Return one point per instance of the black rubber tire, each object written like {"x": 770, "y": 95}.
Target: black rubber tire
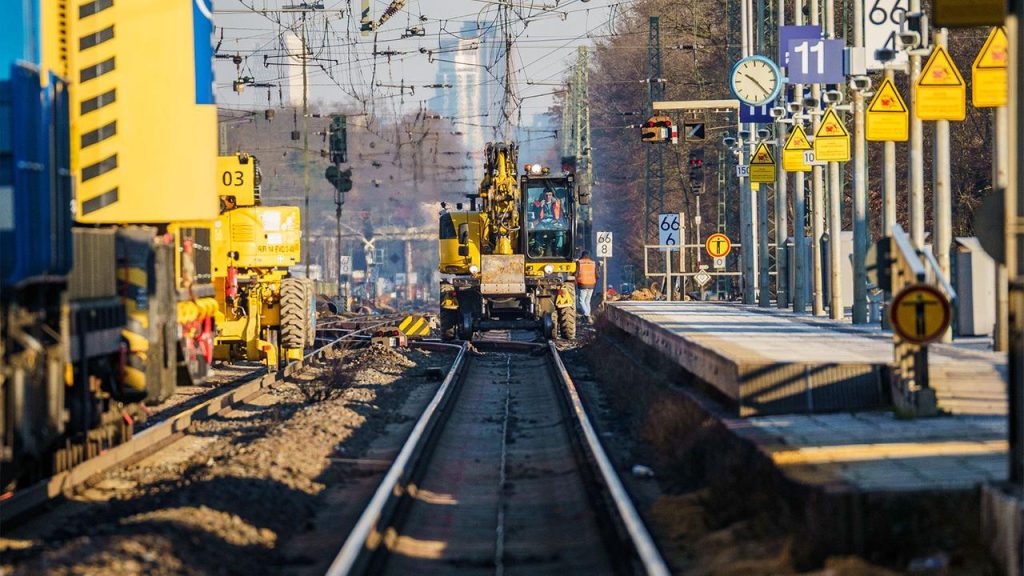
{"x": 465, "y": 328}
{"x": 449, "y": 324}
{"x": 310, "y": 314}
{"x": 449, "y": 318}
{"x": 567, "y": 315}
{"x": 293, "y": 313}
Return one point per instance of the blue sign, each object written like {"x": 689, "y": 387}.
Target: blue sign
{"x": 756, "y": 114}
{"x": 787, "y": 33}
{"x": 815, "y": 61}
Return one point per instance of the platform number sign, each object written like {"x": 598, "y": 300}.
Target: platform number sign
{"x": 816, "y": 61}
{"x": 668, "y": 230}
{"x": 604, "y": 244}
{"x": 881, "y": 26}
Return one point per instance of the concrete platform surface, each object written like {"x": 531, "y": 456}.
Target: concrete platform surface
{"x": 875, "y": 451}
{"x": 771, "y": 361}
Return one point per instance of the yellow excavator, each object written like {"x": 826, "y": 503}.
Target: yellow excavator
{"x": 264, "y": 314}
{"x": 508, "y": 262}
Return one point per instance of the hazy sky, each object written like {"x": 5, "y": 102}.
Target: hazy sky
{"x": 547, "y": 34}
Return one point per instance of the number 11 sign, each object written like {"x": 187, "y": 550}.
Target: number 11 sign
{"x": 814, "y": 61}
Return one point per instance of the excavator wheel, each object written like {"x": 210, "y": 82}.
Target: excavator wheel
{"x": 567, "y": 315}
{"x": 449, "y": 324}
{"x": 449, "y": 317}
{"x": 293, "y": 313}
{"x": 465, "y": 329}
{"x": 310, "y": 314}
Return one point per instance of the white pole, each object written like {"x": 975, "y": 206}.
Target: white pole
{"x": 942, "y": 205}
{"x": 916, "y": 155}
{"x": 860, "y": 222}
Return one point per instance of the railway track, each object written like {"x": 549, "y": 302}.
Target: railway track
{"x": 502, "y": 472}
{"x": 19, "y": 505}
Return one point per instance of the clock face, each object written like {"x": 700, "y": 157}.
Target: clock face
{"x": 755, "y": 81}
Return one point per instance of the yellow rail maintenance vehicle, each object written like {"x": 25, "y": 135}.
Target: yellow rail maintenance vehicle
{"x": 509, "y": 262}
{"x": 263, "y": 314}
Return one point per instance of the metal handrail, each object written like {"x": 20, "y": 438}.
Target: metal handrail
{"x": 939, "y": 276}
{"x": 905, "y": 248}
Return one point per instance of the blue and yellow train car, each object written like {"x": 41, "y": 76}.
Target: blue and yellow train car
{"x": 107, "y": 163}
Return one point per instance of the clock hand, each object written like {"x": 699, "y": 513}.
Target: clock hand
{"x": 754, "y": 80}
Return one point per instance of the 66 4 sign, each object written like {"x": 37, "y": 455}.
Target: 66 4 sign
{"x": 881, "y": 25}
{"x": 668, "y": 230}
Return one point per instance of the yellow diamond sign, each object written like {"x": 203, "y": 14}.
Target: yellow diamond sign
{"x": 793, "y": 151}
{"x": 762, "y": 166}
{"x": 887, "y": 116}
{"x": 941, "y": 93}
{"x": 990, "y": 85}
{"x": 832, "y": 140}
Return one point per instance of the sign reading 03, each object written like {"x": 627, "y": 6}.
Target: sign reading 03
{"x": 755, "y": 80}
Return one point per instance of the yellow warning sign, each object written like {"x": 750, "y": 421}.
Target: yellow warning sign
{"x": 832, "y": 140}
{"x": 762, "y": 166}
{"x": 990, "y": 85}
{"x": 415, "y": 326}
{"x": 718, "y": 245}
{"x": 887, "y": 117}
{"x": 920, "y": 314}
{"x": 941, "y": 93}
{"x": 793, "y": 151}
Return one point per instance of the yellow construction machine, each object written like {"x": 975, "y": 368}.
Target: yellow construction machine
{"x": 263, "y": 313}
{"x": 508, "y": 262}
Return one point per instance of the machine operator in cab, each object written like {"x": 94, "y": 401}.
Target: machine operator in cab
{"x": 547, "y": 225}
{"x": 586, "y": 280}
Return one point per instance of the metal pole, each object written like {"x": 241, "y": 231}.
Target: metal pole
{"x": 1015, "y": 234}
{"x": 781, "y": 222}
{"x": 835, "y": 208}
{"x": 781, "y": 200}
{"x": 604, "y": 279}
{"x": 817, "y": 198}
{"x": 799, "y": 204}
{"x": 747, "y": 222}
{"x": 305, "y": 152}
{"x": 889, "y": 200}
{"x": 860, "y": 196}
{"x": 668, "y": 274}
{"x": 942, "y": 205}
{"x": 1000, "y": 180}
{"x": 764, "y": 298}
{"x": 916, "y": 154}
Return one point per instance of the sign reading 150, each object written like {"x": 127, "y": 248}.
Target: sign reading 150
{"x": 229, "y": 178}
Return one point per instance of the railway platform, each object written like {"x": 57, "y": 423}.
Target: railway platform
{"x": 811, "y": 395}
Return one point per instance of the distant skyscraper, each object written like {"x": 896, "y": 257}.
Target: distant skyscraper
{"x": 470, "y": 64}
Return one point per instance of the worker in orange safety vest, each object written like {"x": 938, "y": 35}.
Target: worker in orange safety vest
{"x": 586, "y": 280}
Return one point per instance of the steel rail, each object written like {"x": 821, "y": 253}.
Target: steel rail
{"x": 365, "y": 534}
{"x": 370, "y": 531}
{"x": 158, "y": 436}
{"x": 641, "y": 538}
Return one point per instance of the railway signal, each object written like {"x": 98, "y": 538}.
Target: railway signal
{"x": 659, "y": 129}
{"x": 697, "y": 171}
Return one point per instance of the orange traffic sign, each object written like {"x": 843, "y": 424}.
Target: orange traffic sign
{"x": 718, "y": 245}
{"x": 887, "y": 116}
{"x": 941, "y": 93}
{"x": 990, "y": 85}
{"x": 920, "y": 314}
{"x": 832, "y": 140}
{"x": 793, "y": 151}
{"x": 762, "y": 166}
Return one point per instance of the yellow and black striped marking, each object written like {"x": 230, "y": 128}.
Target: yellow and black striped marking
{"x": 415, "y": 326}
